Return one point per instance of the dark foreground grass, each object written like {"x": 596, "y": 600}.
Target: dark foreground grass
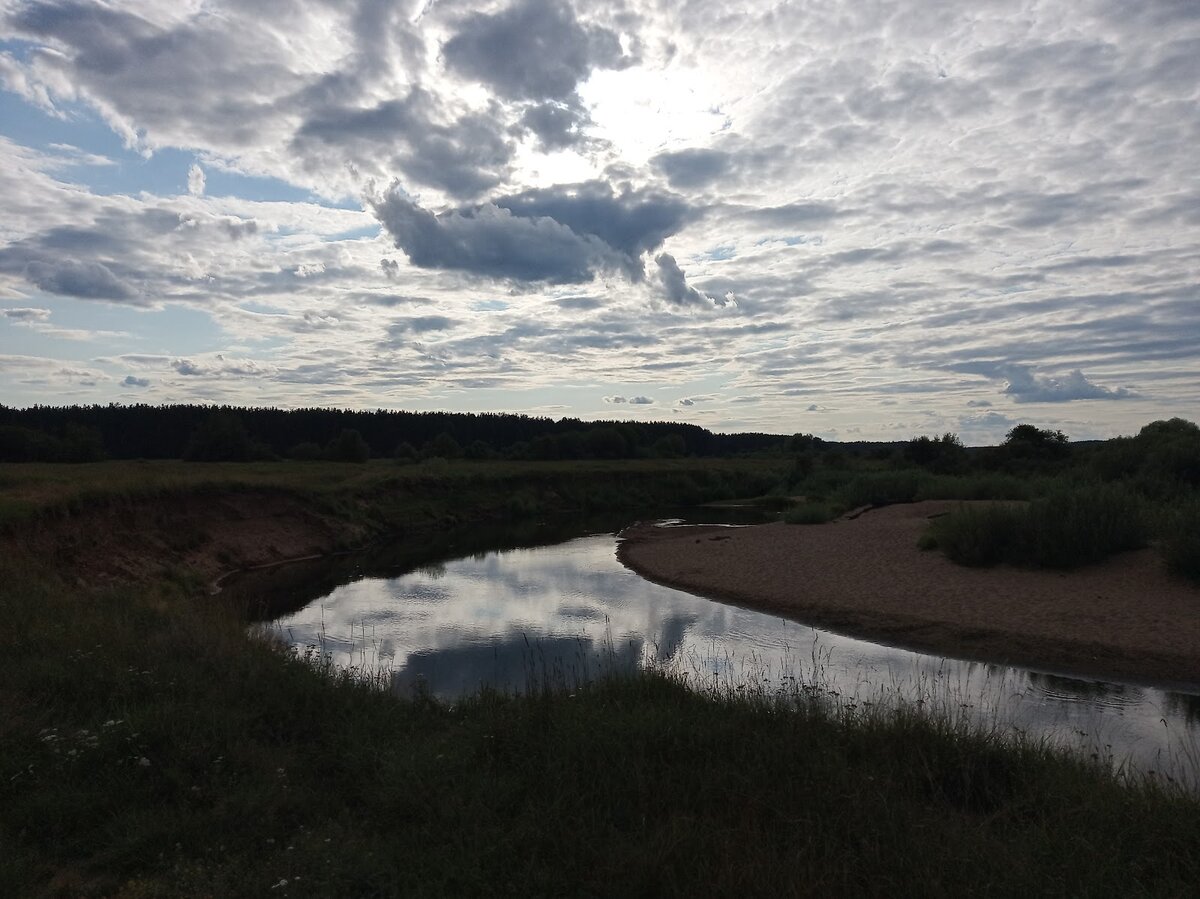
{"x": 150, "y": 749}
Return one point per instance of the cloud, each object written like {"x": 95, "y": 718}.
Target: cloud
{"x": 978, "y": 404}
{"x": 685, "y": 401}
{"x": 131, "y": 381}
{"x": 531, "y": 50}
{"x": 556, "y": 125}
{"x": 630, "y": 221}
{"x": 676, "y": 288}
{"x": 631, "y": 400}
{"x": 493, "y": 242}
{"x": 692, "y": 167}
{"x": 1026, "y": 387}
{"x": 461, "y": 156}
{"x": 195, "y": 180}
{"x": 26, "y": 315}
{"x": 86, "y": 280}
{"x": 238, "y": 228}
{"x": 564, "y": 235}
{"x": 420, "y": 324}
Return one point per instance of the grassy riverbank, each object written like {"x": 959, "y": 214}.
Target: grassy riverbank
{"x": 150, "y": 748}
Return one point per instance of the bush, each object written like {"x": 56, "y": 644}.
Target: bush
{"x": 882, "y": 488}
{"x": 348, "y": 446}
{"x": 1063, "y": 530}
{"x": 1181, "y": 541}
{"x": 810, "y": 513}
{"x": 305, "y": 452}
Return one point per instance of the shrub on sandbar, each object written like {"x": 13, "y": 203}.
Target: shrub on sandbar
{"x": 1063, "y": 530}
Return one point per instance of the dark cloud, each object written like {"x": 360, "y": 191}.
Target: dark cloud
{"x": 87, "y": 280}
{"x": 675, "y": 285}
{"x": 238, "y": 228}
{"x": 391, "y": 268}
{"x": 532, "y": 50}
{"x": 631, "y": 222}
{"x": 462, "y": 157}
{"x": 557, "y": 125}
{"x": 583, "y": 304}
{"x": 131, "y": 381}
{"x": 795, "y": 215}
{"x": 491, "y": 241}
{"x": 26, "y": 314}
{"x": 692, "y": 167}
{"x": 558, "y": 235}
{"x": 420, "y": 324}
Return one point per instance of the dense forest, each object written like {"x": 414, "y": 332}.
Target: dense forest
{"x": 90, "y": 433}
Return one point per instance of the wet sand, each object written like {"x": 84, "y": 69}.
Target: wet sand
{"x": 1123, "y": 619}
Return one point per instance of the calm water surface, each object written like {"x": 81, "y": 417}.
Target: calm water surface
{"x": 566, "y": 610}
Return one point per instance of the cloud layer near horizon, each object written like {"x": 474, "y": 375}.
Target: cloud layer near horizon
{"x": 815, "y": 216}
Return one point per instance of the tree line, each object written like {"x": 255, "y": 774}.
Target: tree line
{"x": 228, "y": 433}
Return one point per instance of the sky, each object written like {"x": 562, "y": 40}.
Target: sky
{"x": 862, "y": 220}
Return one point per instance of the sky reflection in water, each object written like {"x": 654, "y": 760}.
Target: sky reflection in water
{"x": 570, "y": 610}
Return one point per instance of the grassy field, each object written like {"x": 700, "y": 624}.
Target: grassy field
{"x": 31, "y": 489}
{"x": 150, "y": 748}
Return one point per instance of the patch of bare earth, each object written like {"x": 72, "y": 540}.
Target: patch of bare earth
{"x": 1124, "y": 618}
{"x": 208, "y": 535}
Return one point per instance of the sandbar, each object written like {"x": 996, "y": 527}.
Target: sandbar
{"x": 1123, "y": 619}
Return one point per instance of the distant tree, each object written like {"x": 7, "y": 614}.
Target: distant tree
{"x": 606, "y": 443}
{"x": 544, "y": 446}
{"x": 670, "y": 447}
{"x": 405, "y": 452}
{"x": 477, "y": 449}
{"x": 219, "y": 438}
{"x": 942, "y": 455}
{"x": 1030, "y": 442}
{"x": 306, "y": 451}
{"x": 800, "y": 443}
{"x": 81, "y": 443}
{"x": 443, "y": 446}
{"x": 1172, "y": 427}
{"x": 348, "y": 446}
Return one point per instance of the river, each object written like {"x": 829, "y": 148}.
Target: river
{"x": 550, "y": 603}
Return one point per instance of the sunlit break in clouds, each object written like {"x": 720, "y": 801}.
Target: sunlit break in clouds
{"x": 859, "y": 220}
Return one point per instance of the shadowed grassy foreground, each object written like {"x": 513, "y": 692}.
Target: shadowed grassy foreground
{"x": 150, "y": 748}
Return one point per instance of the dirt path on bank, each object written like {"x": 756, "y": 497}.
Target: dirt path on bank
{"x": 1124, "y": 618}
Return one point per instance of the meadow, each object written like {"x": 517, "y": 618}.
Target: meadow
{"x": 152, "y": 748}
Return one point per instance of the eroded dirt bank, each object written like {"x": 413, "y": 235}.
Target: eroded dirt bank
{"x": 1124, "y": 618}
{"x": 206, "y": 535}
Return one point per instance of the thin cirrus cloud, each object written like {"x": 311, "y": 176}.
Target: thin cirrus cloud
{"x": 968, "y": 215}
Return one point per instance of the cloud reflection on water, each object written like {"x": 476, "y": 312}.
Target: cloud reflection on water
{"x": 567, "y": 610}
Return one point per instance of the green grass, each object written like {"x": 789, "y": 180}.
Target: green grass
{"x": 1065, "y": 529}
{"x": 260, "y": 767}
{"x": 150, "y": 748}
{"x": 383, "y": 492}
